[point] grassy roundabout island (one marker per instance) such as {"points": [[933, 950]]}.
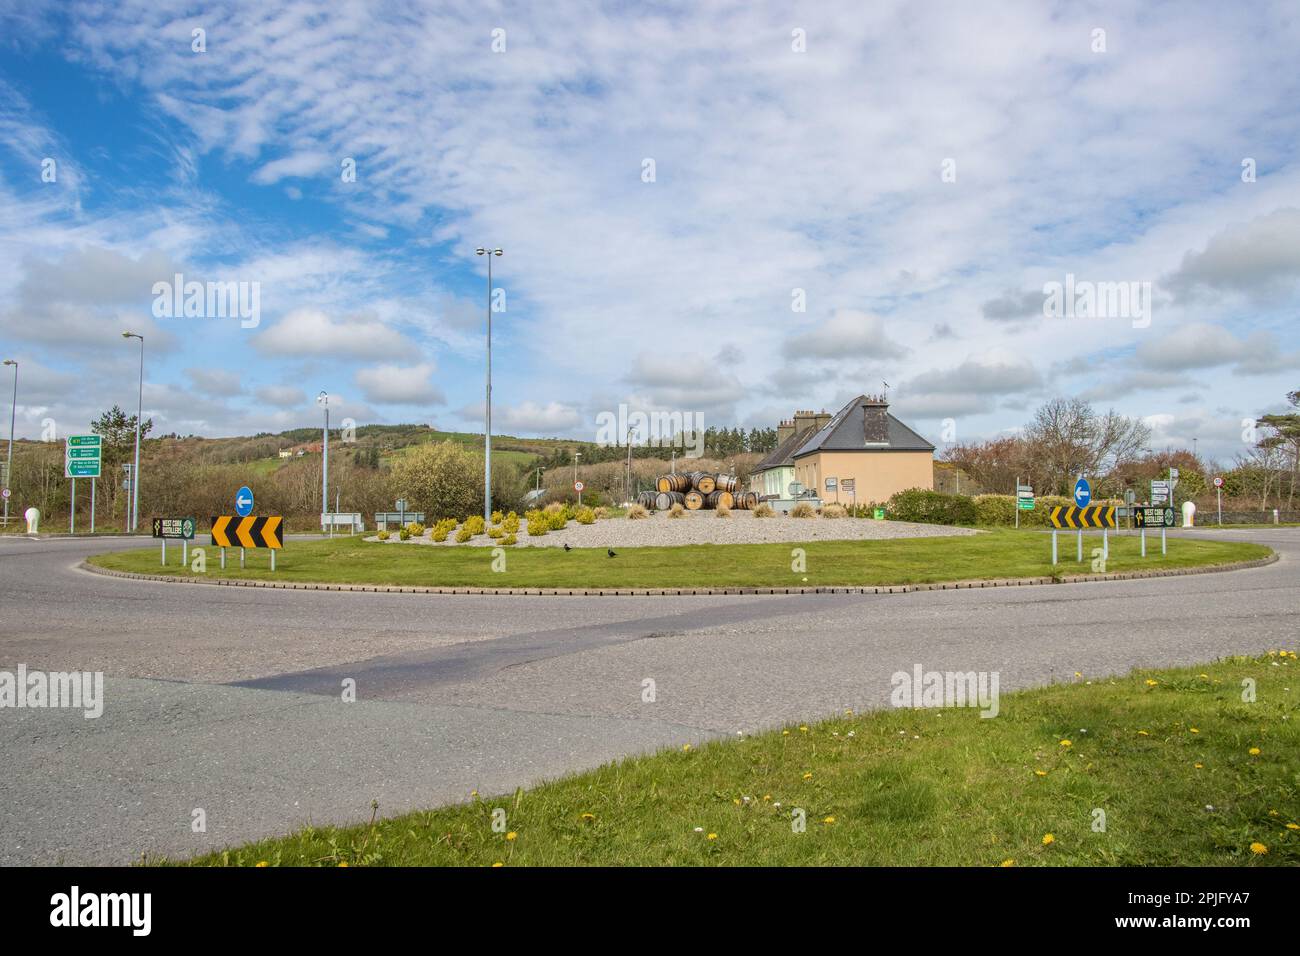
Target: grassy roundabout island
{"points": [[1163, 768], [993, 554]]}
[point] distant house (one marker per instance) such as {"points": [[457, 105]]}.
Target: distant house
{"points": [[775, 471], [286, 452], [868, 447]]}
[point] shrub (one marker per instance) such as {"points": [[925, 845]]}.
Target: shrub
{"points": [[677, 511], [833, 511], [495, 533], [439, 533], [637, 512], [473, 525], [496, 517], [932, 507], [603, 512], [803, 509], [764, 510], [538, 525], [440, 479], [404, 535], [463, 535], [585, 516], [511, 524], [416, 529], [383, 536], [554, 508], [722, 512], [995, 510], [509, 539]]}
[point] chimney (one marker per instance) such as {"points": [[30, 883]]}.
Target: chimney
{"points": [[802, 420], [784, 430], [875, 420], [822, 419]]}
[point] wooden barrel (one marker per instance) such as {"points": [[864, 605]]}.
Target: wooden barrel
{"points": [[703, 482], [680, 483], [717, 499], [646, 499], [744, 500], [664, 500], [694, 500], [725, 483]]}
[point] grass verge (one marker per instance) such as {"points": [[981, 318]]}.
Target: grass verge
{"points": [[1001, 553], [1185, 772]]}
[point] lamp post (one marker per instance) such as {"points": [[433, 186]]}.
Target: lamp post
{"points": [[539, 478], [576, 456], [9, 461], [139, 414], [323, 400], [487, 431]]}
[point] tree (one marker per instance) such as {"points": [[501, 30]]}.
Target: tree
{"points": [[117, 429], [442, 479], [1284, 437], [1067, 438]]}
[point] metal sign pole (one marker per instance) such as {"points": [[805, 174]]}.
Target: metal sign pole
{"points": [[273, 559], [164, 552], [1105, 546], [92, 505], [1053, 547], [241, 559], [1144, 541], [1079, 557], [1218, 491], [72, 509], [185, 553], [1164, 548], [223, 559]]}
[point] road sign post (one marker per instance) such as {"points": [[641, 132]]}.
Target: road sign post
{"points": [[247, 531], [1218, 492], [173, 529], [1069, 517], [578, 486]]}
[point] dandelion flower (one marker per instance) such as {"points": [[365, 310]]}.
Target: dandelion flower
{"points": [[1293, 826], [1152, 683], [1066, 743], [1258, 849], [512, 836], [262, 863], [1193, 730], [1008, 863], [829, 820], [1040, 773], [589, 816], [1254, 751], [808, 776], [686, 748], [498, 863], [1199, 766], [712, 836], [1143, 733], [1048, 839]]}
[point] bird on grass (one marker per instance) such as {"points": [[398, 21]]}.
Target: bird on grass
{"points": [[610, 552], [567, 548]]}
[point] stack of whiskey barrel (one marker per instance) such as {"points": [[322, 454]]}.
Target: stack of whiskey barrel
{"points": [[697, 490]]}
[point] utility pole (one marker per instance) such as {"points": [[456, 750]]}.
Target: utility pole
{"points": [[487, 431]]}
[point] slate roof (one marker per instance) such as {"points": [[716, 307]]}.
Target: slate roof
{"points": [[846, 432], [781, 455]]}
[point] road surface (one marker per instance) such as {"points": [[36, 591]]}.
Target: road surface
{"points": [[231, 700]]}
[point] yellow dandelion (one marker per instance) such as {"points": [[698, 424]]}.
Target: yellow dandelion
{"points": [[496, 864], [808, 776], [1253, 751], [1199, 766], [589, 816], [829, 820], [713, 836], [1048, 839], [1040, 773], [344, 863], [1258, 849], [512, 835], [1272, 813], [1066, 743], [1193, 730], [1152, 683], [785, 733], [1293, 826], [686, 748], [736, 801], [1008, 863], [1204, 676], [767, 797], [847, 712], [1143, 733], [803, 728], [262, 863]]}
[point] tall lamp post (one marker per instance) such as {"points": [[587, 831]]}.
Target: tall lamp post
{"points": [[9, 461], [487, 431], [323, 400], [139, 413], [576, 456]]}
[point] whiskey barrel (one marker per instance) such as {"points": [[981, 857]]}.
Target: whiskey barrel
{"points": [[694, 500], [703, 482], [646, 499], [664, 500], [744, 500], [725, 483], [680, 483], [718, 499]]}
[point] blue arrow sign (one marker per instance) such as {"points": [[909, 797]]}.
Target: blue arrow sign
{"points": [[244, 501], [1082, 493]]}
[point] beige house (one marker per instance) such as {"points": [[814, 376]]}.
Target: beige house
{"points": [[867, 448], [861, 455]]}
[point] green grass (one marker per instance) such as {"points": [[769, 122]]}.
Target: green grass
{"points": [[909, 787], [995, 554]]}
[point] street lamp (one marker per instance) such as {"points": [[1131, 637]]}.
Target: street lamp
{"points": [[139, 413], [539, 478], [9, 462], [576, 456], [487, 431], [323, 400]]}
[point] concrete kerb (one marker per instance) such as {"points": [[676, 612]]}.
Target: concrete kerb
{"points": [[685, 592]]}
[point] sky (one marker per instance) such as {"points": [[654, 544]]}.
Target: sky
{"points": [[733, 209]]}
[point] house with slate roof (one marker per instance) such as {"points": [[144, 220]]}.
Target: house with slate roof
{"points": [[862, 444]]}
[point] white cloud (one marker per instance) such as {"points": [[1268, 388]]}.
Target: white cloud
{"points": [[400, 385], [306, 332]]}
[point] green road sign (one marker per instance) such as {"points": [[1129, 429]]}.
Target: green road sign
{"points": [[1025, 504], [82, 456]]}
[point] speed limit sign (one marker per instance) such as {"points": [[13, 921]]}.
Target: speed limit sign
{"points": [[578, 486], [1218, 482]]}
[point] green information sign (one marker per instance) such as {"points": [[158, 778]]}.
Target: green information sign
{"points": [[82, 456]]}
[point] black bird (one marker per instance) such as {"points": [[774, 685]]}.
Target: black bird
{"points": [[610, 552], [567, 548]]}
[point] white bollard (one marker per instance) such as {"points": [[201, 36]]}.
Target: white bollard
{"points": [[33, 517]]}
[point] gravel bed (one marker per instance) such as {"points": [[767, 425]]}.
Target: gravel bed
{"points": [[704, 527]]}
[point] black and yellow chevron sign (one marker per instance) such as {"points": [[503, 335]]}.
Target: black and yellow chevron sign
{"points": [[232, 531], [1092, 516]]}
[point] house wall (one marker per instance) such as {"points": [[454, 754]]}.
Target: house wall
{"points": [[773, 481], [876, 474]]}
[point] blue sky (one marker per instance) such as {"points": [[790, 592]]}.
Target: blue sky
{"points": [[918, 171]]}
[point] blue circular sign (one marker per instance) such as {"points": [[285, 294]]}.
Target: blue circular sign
{"points": [[1082, 493], [244, 501]]}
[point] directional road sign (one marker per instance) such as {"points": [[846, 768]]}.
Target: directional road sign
{"points": [[1093, 516], [1153, 517], [244, 501], [174, 528], [247, 531], [1082, 493], [82, 456]]}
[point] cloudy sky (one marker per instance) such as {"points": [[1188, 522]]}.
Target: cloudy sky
{"points": [[737, 209]]}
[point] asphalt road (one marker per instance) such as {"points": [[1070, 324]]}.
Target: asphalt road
{"points": [[230, 700]]}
